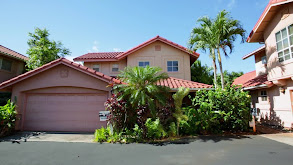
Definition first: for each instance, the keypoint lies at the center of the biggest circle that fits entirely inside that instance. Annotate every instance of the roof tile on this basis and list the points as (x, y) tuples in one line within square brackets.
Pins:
[(12, 53)]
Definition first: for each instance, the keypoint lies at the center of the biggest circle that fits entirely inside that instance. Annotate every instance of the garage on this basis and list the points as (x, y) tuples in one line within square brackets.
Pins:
[(60, 96), (64, 112)]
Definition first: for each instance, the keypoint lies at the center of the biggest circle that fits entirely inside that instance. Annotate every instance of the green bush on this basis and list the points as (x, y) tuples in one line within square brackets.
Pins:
[(7, 118), (155, 129), (219, 110), (102, 134)]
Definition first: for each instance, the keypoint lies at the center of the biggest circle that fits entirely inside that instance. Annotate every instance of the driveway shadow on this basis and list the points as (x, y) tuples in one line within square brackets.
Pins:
[(20, 137), (201, 138)]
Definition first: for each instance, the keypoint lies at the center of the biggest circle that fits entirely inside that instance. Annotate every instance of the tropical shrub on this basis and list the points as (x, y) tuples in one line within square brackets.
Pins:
[(155, 129), (102, 134), (140, 87), (7, 118), (219, 110), (178, 98)]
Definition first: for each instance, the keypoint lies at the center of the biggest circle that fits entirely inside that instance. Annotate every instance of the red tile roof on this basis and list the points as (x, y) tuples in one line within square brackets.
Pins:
[(265, 17), (255, 52), (175, 83), (57, 62), (98, 55), (250, 80), (12, 53), (120, 55)]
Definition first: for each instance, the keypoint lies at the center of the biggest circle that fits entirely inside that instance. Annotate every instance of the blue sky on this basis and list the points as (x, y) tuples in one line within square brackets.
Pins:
[(106, 25)]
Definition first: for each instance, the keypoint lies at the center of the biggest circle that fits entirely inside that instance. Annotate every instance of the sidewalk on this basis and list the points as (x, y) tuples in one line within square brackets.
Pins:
[(286, 138)]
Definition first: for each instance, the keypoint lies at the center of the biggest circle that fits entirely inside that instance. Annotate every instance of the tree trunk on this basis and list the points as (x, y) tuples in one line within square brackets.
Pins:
[(215, 68), (221, 68)]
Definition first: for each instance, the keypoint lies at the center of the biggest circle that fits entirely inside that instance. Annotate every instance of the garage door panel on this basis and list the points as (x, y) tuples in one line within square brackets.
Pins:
[(64, 112)]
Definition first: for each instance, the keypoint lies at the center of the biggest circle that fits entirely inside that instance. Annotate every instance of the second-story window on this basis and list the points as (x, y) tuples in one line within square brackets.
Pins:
[(263, 95), (115, 68), (5, 64), (172, 66), (264, 59), (284, 39), (96, 67), (143, 63)]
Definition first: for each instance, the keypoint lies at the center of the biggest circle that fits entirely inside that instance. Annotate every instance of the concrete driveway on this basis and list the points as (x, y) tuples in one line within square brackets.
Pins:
[(204, 150), (50, 137)]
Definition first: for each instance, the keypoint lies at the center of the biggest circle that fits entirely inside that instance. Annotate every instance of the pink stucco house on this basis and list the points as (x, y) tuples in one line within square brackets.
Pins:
[(12, 63), (271, 84), (66, 96)]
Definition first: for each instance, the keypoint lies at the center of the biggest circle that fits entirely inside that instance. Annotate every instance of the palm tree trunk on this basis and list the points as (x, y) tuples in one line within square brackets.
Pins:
[(215, 67), (221, 68)]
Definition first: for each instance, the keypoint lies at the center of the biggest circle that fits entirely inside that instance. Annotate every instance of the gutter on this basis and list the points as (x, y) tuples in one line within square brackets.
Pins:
[(256, 87), (192, 89)]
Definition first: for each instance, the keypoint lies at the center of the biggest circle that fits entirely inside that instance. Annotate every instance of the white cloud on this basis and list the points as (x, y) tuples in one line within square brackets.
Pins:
[(95, 47), (231, 4), (117, 50)]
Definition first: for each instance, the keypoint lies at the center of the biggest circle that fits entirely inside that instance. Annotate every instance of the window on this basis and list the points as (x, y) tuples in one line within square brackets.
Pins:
[(115, 68), (263, 95), (143, 63), (264, 59), (284, 39), (172, 66), (5, 64), (96, 67)]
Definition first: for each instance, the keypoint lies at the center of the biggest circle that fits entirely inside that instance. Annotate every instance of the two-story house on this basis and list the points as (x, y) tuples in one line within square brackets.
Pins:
[(66, 96), (271, 84), (12, 63)]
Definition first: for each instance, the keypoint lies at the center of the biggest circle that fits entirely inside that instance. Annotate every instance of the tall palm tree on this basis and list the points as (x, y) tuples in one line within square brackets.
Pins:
[(227, 31), (140, 87), (203, 38)]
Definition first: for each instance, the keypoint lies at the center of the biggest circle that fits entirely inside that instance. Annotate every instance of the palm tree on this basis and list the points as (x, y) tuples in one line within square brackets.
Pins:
[(140, 87), (227, 30), (203, 38)]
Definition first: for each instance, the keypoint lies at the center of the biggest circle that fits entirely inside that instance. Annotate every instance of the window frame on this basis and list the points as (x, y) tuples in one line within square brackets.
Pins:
[(1, 64), (115, 68), (144, 63), (264, 60), (96, 68), (264, 95), (283, 56), (173, 66)]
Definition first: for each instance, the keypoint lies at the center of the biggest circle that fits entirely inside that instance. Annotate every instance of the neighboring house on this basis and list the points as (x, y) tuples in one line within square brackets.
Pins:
[(66, 96), (158, 51), (271, 84), (12, 63)]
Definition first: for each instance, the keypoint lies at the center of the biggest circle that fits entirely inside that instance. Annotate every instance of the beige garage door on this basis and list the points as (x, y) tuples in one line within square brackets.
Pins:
[(64, 112)]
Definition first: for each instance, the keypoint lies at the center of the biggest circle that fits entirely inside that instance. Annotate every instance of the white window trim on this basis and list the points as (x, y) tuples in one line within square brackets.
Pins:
[(95, 67), (264, 96), (173, 66), (283, 49), (115, 68)]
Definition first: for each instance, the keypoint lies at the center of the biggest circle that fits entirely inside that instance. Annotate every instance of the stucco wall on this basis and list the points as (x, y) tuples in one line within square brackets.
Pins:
[(106, 66), (277, 110), (55, 81), (277, 70), (260, 68), (160, 58), (17, 68)]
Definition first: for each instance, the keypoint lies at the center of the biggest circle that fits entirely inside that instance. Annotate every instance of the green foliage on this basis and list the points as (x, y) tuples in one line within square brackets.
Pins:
[(178, 98), (7, 118), (155, 129), (42, 50), (102, 134), (229, 77), (201, 73), (220, 110), (172, 129), (140, 89)]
